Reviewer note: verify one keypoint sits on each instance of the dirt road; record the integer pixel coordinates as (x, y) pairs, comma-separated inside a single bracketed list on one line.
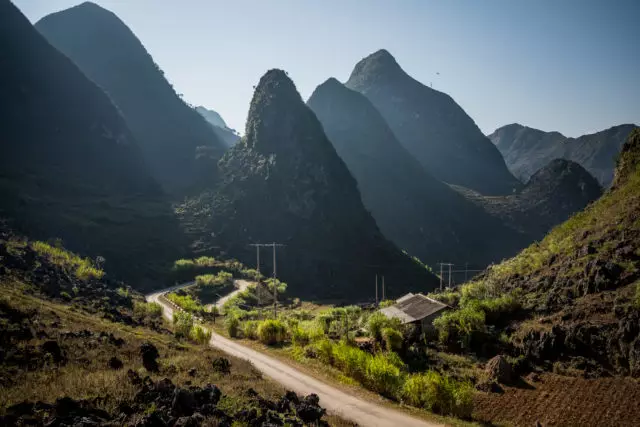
[(347, 406)]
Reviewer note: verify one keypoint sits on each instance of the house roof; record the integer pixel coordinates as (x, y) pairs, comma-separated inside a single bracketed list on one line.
[(411, 308)]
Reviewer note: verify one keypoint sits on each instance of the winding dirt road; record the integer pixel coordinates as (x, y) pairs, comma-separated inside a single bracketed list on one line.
[(336, 401)]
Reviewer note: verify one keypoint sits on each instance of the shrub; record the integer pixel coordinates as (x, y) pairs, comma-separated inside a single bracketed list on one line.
[(299, 336), (232, 323), (272, 331), (82, 268), (200, 335), (205, 261), (451, 298), (324, 350), (183, 323), (377, 322), (151, 309), (186, 302), (250, 329), (386, 303), (183, 264), (393, 339), (350, 360), (439, 394), (460, 325), (220, 279), (382, 376)]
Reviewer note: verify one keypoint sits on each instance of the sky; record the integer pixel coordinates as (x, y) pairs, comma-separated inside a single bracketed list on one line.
[(571, 66)]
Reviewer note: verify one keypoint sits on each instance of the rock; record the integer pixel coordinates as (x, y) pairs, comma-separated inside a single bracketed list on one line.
[(210, 394), (183, 403), (149, 354), (192, 372), (489, 387), (194, 420), (309, 410), (499, 370), (151, 420), (115, 363), (133, 377), (51, 347), (222, 365)]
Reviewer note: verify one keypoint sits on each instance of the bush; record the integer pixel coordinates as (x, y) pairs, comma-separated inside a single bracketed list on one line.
[(250, 329), (150, 309), (382, 376), (232, 323), (183, 323), (393, 339), (205, 261), (272, 331), (324, 350), (460, 325), (221, 279), (82, 268), (186, 302), (350, 360), (386, 303), (439, 394), (377, 322), (183, 265), (451, 298), (200, 335), (299, 336)]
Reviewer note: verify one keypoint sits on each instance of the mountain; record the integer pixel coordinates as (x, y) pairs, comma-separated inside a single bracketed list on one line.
[(283, 182), (69, 166), (179, 146), (418, 212), (526, 149), (580, 286), (227, 135), (432, 127), (551, 196)]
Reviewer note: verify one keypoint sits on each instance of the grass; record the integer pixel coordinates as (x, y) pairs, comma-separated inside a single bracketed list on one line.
[(82, 268)]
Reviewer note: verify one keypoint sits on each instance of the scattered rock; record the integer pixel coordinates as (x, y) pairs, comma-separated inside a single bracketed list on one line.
[(150, 355), (489, 387), (192, 372), (133, 377), (499, 370), (52, 348), (115, 363)]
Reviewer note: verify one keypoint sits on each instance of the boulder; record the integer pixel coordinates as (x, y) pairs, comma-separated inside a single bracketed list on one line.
[(222, 365), (499, 370), (149, 354), (183, 403), (115, 363)]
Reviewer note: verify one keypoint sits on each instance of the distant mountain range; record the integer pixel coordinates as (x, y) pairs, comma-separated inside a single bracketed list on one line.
[(226, 134), (526, 149), (70, 168), (432, 127), (284, 182), (179, 146), (418, 212), (552, 195)]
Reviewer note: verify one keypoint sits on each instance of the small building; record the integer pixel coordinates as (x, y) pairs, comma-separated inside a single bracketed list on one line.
[(417, 309)]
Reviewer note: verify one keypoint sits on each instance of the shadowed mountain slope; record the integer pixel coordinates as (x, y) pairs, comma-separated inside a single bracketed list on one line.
[(418, 212), (69, 166), (432, 127), (179, 146), (284, 182), (526, 149), (227, 135), (551, 196)]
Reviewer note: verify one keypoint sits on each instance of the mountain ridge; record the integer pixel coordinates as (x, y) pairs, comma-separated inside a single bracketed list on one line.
[(432, 126)]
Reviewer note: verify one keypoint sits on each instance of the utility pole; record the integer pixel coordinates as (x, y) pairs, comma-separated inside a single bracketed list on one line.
[(257, 245), (440, 276), (450, 275), (466, 270), (275, 288), (376, 290), (441, 272), (384, 296)]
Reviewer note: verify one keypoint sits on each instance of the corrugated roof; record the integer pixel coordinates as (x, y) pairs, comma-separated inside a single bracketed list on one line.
[(411, 308)]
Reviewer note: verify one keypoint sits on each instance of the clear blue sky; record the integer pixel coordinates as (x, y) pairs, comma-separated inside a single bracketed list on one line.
[(570, 65)]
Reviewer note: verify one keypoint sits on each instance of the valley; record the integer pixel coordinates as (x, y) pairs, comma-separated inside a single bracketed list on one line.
[(350, 245)]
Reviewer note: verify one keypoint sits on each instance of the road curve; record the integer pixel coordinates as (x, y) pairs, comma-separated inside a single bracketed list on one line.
[(240, 285), (336, 401)]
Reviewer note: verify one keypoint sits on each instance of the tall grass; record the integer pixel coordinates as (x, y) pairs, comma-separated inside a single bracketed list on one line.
[(439, 393), (186, 302), (82, 268), (272, 331)]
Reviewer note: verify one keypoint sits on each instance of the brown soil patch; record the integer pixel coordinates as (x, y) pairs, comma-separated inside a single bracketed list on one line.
[(563, 401)]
